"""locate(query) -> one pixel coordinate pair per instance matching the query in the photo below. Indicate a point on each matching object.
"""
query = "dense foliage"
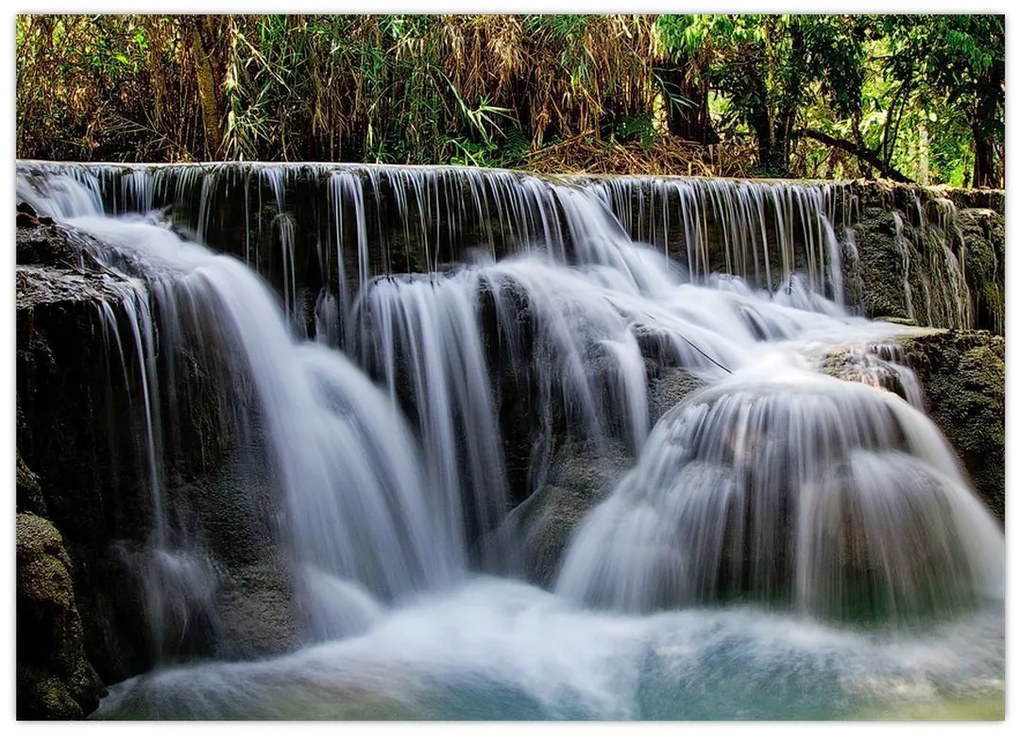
(907, 97)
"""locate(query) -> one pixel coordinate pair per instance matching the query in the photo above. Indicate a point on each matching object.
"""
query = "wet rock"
(984, 232)
(81, 437)
(256, 612)
(990, 199)
(957, 378)
(879, 365)
(83, 463)
(88, 486)
(54, 677)
(44, 245)
(962, 374)
(538, 530)
(927, 256)
(579, 474)
(668, 389)
(876, 282)
(233, 511)
(27, 216)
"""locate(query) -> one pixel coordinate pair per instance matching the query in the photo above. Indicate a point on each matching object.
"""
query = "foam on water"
(502, 650)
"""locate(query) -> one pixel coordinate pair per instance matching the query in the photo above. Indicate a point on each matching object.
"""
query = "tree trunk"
(922, 154)
(687, 121)
(157, 73)
(212, 112)
(984, 161)
(773, 160)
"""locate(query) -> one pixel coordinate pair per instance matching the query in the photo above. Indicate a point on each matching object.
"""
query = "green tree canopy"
(918, 97)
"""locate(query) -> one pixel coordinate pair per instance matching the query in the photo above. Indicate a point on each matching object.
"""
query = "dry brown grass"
(348, 87)
(667, 156)
(563, 75)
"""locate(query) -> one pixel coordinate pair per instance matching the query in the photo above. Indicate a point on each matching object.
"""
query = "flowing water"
(786, 544)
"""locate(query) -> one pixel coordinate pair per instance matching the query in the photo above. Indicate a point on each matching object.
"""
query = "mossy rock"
(984, 233)
(963, 377)
(927, 255)
(876, 282)
(54, 678)
(537, 532)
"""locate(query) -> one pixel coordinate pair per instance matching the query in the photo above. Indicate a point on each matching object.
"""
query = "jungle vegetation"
(907, 97)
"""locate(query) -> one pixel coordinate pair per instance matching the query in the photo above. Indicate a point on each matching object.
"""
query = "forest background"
(907, 97)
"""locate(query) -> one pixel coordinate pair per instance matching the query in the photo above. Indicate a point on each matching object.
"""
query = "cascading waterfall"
(178, 579)
(330, 432)
(792, 488)
(745, 215)
(428, 330)
(759, 509)
(289, 222)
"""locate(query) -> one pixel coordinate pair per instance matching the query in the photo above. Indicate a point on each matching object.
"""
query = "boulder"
(963, 379)
(535, 535)
(54, 677)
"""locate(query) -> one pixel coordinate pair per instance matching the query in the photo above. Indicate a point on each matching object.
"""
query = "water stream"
(410, 357)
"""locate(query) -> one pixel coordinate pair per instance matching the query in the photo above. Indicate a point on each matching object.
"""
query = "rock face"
(234, 515)
(984, 232)
(55, 679)
(927, 256)
(962, 374)
(579, 477)
(68, 454)
(81, 464)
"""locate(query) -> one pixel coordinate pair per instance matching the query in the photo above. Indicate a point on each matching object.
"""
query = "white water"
(496, 649)
(763, 232)
(793, 489)
(761, 506)
(347, 466)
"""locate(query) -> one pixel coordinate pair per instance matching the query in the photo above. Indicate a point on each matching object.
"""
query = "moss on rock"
(876, 283)
(984, 233)
(962, 374)
(927, 256)
(54, 678)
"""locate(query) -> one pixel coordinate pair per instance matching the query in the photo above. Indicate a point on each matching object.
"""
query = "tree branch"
(864, 154)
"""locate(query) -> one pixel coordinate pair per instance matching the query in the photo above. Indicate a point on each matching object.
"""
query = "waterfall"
(405, 352)
(796, 489)
(422, 218)
(347, 466)
(312, 223)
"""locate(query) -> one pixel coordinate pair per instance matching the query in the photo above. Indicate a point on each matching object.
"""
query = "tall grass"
(393, 88)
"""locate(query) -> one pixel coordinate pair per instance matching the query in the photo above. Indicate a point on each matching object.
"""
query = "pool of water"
(494, 649)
